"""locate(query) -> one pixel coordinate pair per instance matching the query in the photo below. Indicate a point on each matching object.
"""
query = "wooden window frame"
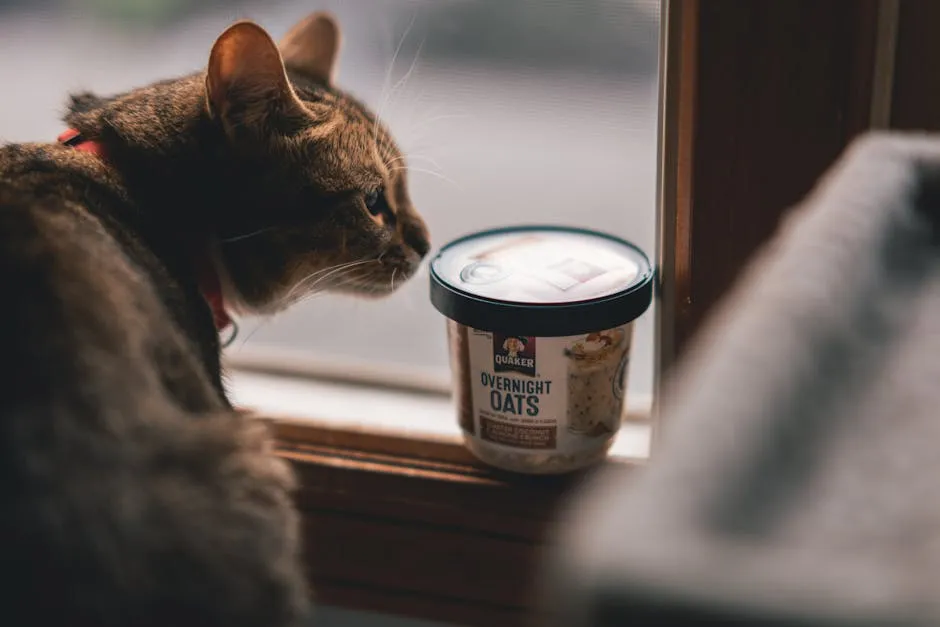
(758, 99)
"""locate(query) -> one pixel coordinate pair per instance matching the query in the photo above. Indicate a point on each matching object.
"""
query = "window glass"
(510, 111)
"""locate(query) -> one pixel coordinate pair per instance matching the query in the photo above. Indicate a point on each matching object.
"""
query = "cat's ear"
(246, 84)
(312, 46)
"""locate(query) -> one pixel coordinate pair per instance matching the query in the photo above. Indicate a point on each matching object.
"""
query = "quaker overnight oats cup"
(540, 323)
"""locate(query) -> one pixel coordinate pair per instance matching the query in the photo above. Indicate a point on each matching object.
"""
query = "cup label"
(546, 394)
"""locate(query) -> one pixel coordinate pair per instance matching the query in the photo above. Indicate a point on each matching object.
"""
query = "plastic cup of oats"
(540, 323)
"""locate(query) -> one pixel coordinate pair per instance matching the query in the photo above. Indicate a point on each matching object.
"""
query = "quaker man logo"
(514, 353)
(513, 346)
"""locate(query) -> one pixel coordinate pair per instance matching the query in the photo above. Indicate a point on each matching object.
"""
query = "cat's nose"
(417, 238)
(421, 246)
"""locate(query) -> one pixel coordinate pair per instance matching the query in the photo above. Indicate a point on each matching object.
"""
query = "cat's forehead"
(345, 148)
(363, 154)
(364, 122)
(358, 121)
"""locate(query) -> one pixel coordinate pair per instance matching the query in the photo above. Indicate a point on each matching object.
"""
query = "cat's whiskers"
(421, 152)
(388, 79)
(426, 118)
(343, 279)
(261, 324)
(325, 273)
(405, 158)
(320, 275)
(309, 276)
(345, 271)
(393, 161)
(236, 238)
(412, 110)
(317, 293)
(423, 124)
(353, 277)
(419, 126)
(432, 173)
(399, 86)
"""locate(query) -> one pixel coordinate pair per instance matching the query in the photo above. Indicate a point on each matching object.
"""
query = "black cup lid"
(541, 281)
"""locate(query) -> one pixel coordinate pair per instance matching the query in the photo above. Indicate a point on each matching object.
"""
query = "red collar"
(73, 138)
(209, 282)
(211, 289)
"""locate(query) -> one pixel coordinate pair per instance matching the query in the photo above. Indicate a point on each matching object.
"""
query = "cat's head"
(331, 209)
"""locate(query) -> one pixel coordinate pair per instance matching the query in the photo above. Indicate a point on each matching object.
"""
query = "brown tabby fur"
(133, 495)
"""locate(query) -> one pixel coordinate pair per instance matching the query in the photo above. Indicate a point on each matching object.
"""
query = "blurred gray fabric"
(797, 477)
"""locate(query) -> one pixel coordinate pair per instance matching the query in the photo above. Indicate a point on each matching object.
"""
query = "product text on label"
(515, 396)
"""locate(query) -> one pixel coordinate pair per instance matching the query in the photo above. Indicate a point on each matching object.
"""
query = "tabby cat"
(133, 495)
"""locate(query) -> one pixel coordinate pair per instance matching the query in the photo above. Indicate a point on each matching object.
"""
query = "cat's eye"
(372, 202)
(378, 206)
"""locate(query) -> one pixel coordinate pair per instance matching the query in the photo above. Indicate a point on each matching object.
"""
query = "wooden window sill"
(418, 528)
(404, 520)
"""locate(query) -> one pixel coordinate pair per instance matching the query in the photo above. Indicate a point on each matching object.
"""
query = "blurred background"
(511, 111)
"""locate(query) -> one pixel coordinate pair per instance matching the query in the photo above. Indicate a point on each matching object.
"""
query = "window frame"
(417, 528)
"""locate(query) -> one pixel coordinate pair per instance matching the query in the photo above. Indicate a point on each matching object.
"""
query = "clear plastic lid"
(539, 267)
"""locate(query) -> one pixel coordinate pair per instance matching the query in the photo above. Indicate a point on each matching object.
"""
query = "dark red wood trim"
(916, 95)
(780, 88)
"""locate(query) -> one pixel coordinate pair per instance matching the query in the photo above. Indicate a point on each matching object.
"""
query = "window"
(549, 117)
